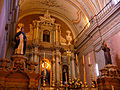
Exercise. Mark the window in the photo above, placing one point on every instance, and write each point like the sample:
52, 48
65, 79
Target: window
116, 1
97, 70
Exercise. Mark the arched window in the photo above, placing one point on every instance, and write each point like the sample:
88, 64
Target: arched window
46, 36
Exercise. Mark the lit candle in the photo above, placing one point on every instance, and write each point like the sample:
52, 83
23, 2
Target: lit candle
83, 59
89, 60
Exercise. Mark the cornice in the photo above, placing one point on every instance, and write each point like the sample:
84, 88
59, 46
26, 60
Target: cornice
97, 27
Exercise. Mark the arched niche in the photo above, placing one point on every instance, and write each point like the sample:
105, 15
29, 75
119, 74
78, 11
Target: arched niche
46, 36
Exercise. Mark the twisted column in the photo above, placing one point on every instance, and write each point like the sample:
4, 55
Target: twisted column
73, 66
69, 55
60, 70
53, 66
77, 67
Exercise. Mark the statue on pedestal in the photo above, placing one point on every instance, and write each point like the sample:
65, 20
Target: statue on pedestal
107, 55
20, 42
68, 37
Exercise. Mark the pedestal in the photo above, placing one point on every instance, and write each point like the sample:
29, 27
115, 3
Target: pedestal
18, 62
17, 75
109, 78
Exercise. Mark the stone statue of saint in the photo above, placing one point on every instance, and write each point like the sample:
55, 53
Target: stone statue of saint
68, 37
107, 55
62, 40
20, 42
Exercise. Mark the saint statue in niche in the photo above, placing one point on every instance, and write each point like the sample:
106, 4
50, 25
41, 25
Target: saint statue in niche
62, 40
107, 55
68, 37
20, 42
29, 35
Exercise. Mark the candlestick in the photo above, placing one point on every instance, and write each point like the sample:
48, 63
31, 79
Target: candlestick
60, 70
50, 76
66, 81
83, 59
96, 80
89, 60
85, 83
61, 79
76, 59
84, 75
66, 77
60, 57
53, 83
90, 66
77, 66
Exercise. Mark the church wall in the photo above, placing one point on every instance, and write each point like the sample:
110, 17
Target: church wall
8, 17
108, 30
2, 27
114, 44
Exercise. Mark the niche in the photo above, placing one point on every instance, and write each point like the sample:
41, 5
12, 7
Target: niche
46, 36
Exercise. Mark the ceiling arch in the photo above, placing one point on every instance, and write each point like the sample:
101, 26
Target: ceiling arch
72, 12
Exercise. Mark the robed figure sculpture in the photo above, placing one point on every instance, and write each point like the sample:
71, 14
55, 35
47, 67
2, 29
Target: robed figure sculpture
107, 55
20, 42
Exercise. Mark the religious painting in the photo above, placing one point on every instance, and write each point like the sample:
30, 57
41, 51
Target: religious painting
46, 36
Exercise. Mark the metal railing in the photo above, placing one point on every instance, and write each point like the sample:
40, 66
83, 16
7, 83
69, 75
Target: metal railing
97, 17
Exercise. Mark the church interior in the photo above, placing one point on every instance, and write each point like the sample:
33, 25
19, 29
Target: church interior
59, 44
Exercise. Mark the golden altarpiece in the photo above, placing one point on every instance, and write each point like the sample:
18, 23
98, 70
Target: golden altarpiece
49, 63
50, 51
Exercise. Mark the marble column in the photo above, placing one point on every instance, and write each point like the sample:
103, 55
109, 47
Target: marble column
57, 65
73, 66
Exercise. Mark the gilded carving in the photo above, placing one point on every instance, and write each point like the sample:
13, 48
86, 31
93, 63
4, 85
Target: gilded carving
30, 34
50, 3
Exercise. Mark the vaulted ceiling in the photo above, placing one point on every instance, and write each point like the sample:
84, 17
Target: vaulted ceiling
75, 13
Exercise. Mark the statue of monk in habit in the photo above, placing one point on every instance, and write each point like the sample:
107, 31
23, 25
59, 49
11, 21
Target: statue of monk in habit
20, 42
107, 55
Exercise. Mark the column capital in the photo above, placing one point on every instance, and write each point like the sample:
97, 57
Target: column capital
68, 53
